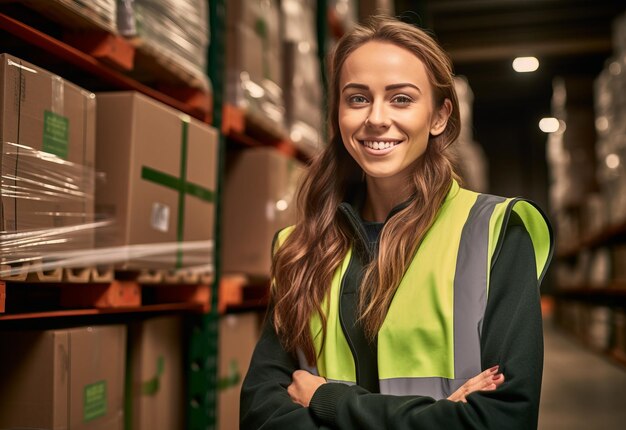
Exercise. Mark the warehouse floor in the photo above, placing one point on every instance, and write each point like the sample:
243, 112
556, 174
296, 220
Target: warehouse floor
581, 389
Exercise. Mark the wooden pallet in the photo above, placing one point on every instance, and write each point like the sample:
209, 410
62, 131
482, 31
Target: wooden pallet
36, 272
22, 300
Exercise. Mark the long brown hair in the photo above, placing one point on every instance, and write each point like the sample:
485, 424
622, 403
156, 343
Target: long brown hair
303, 267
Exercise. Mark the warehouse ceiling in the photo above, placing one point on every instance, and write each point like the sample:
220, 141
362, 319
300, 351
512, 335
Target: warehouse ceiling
483, 36
571, 39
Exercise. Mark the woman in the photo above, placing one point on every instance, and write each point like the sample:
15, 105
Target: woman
400, 300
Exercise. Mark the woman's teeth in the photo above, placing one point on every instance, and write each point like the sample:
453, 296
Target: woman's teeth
379, 145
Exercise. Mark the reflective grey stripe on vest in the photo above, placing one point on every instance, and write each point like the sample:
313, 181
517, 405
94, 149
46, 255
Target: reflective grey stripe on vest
437, 388
470, 301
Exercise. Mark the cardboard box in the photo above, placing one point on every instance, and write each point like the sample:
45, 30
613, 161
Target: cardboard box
47, 133
160, 165
259, 200
63, 379
238, 335
156, 375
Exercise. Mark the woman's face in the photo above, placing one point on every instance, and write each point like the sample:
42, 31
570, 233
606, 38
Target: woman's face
386, 110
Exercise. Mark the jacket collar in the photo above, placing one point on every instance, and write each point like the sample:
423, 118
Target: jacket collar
351, 209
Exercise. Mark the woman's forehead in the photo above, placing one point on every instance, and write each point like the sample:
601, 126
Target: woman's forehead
383, 63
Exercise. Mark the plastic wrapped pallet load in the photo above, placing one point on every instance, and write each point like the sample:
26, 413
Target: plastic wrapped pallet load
47, 134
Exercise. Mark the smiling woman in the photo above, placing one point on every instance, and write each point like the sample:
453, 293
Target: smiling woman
399, 299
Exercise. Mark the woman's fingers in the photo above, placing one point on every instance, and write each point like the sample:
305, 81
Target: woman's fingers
487, 380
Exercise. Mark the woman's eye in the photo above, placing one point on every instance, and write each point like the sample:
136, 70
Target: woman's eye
357, 99
403, 100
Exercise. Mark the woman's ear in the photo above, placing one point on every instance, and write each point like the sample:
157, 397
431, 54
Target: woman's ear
440, 120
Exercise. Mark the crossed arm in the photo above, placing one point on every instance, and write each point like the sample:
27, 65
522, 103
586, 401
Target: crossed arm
273, 395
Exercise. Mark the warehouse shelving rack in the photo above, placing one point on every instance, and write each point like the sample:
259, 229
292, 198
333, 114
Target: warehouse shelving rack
612, 294
98, 61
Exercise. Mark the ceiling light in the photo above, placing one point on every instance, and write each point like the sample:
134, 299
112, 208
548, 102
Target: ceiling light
525, 64
549, 125
612, 161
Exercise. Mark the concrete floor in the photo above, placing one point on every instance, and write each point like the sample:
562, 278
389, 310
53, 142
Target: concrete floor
581, 389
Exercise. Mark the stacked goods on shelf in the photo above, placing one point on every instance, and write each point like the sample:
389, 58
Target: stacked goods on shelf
259, 200
155, 374
254, 61
81, 14
303, 92
160, 170
610, 106
173, 32
570, 153
471, 159
585, 213
62, 379
47, 133
238, 334
593, 325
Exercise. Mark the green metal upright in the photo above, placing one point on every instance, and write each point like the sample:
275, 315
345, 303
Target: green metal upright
203, 334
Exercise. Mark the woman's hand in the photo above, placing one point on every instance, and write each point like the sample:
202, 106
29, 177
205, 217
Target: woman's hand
488, 380
303, 387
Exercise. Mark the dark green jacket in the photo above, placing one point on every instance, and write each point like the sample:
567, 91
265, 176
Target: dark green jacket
511, 337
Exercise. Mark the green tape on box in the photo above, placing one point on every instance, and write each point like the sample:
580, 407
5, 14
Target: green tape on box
56, 131
232, 379
95, 400
181, 185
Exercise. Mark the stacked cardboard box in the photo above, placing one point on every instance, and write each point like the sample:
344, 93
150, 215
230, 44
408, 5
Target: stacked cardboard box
259, 200
160, 184
155, 374
63, 379
238, 334
302, 82
47, 137
254, 60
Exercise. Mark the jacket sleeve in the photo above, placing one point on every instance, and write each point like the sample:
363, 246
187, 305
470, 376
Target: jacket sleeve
265, 403
512, 337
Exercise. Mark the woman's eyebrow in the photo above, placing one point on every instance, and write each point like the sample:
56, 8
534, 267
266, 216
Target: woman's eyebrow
387, 88
357, 86
402, 85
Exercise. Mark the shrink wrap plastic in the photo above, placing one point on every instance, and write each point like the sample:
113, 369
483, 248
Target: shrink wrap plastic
50, 190
174, 29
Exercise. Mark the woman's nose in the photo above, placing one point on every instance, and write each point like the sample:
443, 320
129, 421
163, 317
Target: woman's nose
378, 117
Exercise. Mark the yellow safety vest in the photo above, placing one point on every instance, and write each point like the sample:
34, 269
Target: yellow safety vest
429, 343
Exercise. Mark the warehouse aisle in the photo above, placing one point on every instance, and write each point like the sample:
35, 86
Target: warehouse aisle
581, 390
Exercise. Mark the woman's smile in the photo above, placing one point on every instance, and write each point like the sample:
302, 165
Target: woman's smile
379, 146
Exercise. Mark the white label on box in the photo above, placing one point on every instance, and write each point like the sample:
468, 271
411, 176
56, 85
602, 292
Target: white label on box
160, 219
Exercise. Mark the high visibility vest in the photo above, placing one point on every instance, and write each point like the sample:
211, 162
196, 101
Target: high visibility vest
429, 343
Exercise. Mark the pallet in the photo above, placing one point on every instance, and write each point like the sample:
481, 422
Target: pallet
23, 300
39, 272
